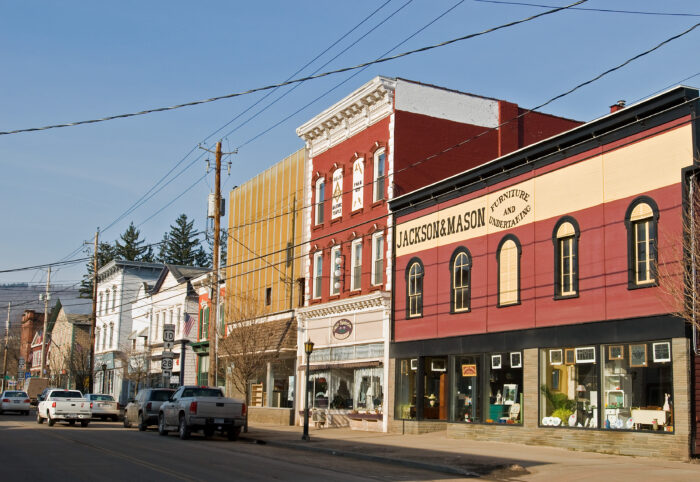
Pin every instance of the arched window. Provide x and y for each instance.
(641, 221)
(460, 270)
(114, 298)
(414, 288)
(111, 335)
(106, 301)
(565, 238)
(508, 257)
(379, 175)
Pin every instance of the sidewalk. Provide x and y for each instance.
(493, 460)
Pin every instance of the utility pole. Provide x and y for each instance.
(7, 339)
(45, 336)
(215, 270)
(94, 314)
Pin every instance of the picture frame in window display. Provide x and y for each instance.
(616, 352)
(414, 364)
(585, 354)
(638, 355)
(555, 357)
(438, 365)
(496, 362)
(569, 356)
(661, 352)
(510, 393)
(516, 359)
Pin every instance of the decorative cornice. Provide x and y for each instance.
(370, 302)
(364, 107)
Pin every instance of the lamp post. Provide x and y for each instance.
(104, 375)
(308, 349)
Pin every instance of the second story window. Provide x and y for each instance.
(336, 270)
(356, 273)
(641, 222)
(565, 238)
(268, 296)
(379, 175)
(320, 192)
(106, 301)
(508, 256)
(114, 298)
(318, 274)
(99, 305)
(204, 324)
(461, 280)
(377, 259)
(414, 289)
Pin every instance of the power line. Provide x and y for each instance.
(295, 81)
(606, 10)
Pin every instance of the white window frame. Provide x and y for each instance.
(336, 265)
(114, 298)
(356, 265)
(378, 194)
(317, 277)
(320, 200)
(377, 255)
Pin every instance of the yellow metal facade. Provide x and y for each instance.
(265, 234)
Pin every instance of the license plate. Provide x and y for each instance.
(218, 420)
(102, 404)
(15, 401)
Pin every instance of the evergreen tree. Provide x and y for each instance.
(105, 254)
(130, 248)
(180, 246)
(162, 249)
(223, 240)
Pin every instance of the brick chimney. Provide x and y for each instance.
(619, 105)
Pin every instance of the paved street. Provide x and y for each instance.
(106, 450)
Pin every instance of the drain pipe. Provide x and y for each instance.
(693, 263)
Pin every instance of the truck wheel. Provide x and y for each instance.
(183, 430)
(161, 425)
(114, 418)
(233, 433)
(127, 424)
(39, 420)
(84, 423)
(142, 422)
(51, 422)
(71, 422)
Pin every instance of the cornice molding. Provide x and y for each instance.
(367, 105)
(371, 302)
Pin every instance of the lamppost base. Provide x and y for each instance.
(305, 437)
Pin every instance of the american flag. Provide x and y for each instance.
(189, 323)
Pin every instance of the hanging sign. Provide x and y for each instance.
(337, 201)
(358, 178)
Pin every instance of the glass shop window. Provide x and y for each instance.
(569, 387)
(341, 388)
(505, 388)
(318, 382)
(637, 386)
(435, 394)
(368, 389)
(465, 392)
(406, 389)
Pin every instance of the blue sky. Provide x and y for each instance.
(71, 61)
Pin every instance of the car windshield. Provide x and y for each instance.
(16, 394)
(160, 395)
(66, 394)
(201, 392)
(103, 398)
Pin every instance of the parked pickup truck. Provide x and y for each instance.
(65, 406)
(201, 408)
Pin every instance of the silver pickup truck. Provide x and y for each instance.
(201, 408)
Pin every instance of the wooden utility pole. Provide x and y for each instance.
(215, 272)
(94, 315)
(7, 339)
(45, 336)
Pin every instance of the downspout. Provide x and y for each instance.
(691, 194)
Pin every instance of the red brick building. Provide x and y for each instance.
(379, 142)
(532, 297)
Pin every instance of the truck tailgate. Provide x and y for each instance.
(212, 407)
(72, 406)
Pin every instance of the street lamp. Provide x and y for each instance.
(104, 375)
(308, 349)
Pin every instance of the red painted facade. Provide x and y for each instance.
(603, 288)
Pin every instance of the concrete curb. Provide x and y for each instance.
(447, 469)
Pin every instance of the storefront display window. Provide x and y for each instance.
(406, 388)
(435, 393)
(368, 389)
(318, 382)
(569, 387)
(341, 388)
(637, 386)
(465, 393)
(504, 396)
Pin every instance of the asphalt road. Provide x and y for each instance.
(106, 450)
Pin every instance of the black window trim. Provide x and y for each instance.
(654, 251)
(515, 239)
(557, 258)
(411, 262)
(455, 253)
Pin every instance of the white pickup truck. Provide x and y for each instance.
(201, 408)
(65, 406)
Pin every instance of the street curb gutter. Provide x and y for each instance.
(447, 469)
